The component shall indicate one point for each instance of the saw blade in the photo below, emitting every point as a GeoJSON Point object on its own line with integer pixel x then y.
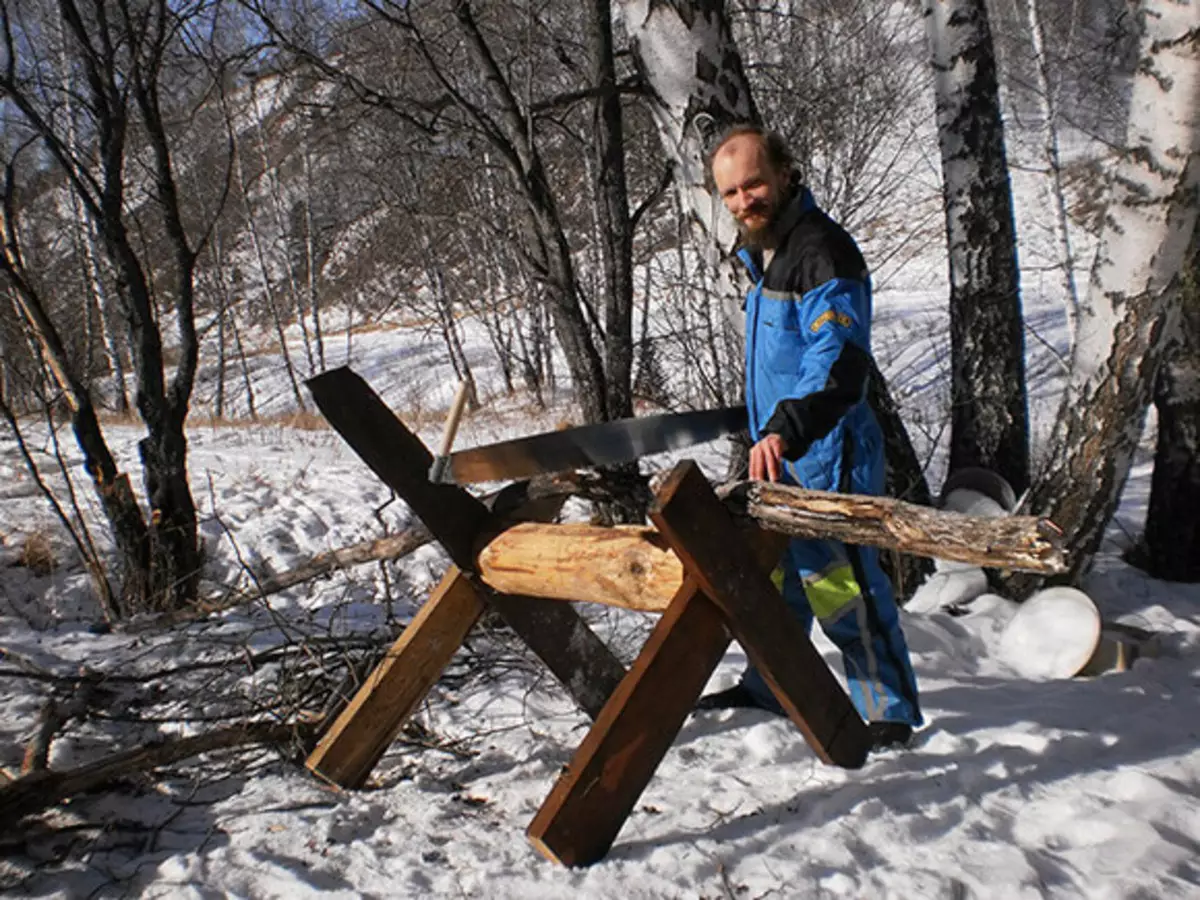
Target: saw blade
{"type": "Point", "coordinates": [588, 446]}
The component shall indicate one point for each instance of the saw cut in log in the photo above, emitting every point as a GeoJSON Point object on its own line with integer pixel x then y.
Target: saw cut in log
{"type": "Point", "coordinates": [1018, 543]}
{"type": "Point", "coordinates": [627, 566]}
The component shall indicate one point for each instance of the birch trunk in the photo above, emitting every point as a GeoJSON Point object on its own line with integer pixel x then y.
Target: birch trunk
{"type": "Point", "coordinates": [989, 418]}
{"type": "Point", "coordinates": [1048, 95]}
{"type": "Point", "coordinates": [686, 53]}
{"type": "Point", "coordinates": [1132, 308]}
{"type": "Point", "coordinates": [310, 261]}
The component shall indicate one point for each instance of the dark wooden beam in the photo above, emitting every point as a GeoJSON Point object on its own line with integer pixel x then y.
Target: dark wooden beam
{"type": "Point", "coordinates": [589, 804]}
{"type": "Point", "coordinates": [719, 556]}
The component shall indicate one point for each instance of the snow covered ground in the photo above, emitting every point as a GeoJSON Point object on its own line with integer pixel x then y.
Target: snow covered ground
{"type": "Point", "coordinates": [1016, 788]}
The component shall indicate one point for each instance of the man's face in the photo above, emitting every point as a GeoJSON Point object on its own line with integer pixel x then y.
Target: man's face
{"type": "Point", "coordinates": [752, 190]}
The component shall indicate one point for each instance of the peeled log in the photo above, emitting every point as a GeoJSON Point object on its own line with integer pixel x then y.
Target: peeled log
{"type": "Point", "coordinates": [629, 566]}
{"type": "Point", "coordinates": [1019, 543]}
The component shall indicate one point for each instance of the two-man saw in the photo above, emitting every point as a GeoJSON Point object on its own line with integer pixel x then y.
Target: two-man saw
{"type": "Point", "coordinates": [587, 446]}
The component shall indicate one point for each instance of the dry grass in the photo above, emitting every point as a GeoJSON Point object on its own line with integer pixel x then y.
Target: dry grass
{"type": "Point", "coordinates": [302, 421]}
{"type": "Point", "coordinates": [37, 554]}
{"type": "Point", "coordinates": [307, 420]}
{"type": "Point", "coordinates": [110, 417]}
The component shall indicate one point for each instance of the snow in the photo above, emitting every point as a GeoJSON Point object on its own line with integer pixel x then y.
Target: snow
{"type": "Point", "coordinates": [1015, 788]}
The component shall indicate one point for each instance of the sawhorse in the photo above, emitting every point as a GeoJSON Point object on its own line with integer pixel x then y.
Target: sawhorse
{"type": "Point", "coordinates": [725, 592]}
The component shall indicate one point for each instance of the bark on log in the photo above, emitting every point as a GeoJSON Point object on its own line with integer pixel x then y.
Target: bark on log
{"type": "Point", "coordinates": [40, 789]}
{"type": "Point", "coordinates": [1019, 543]}
{"type": "Point", "coordinates": [633, 568]}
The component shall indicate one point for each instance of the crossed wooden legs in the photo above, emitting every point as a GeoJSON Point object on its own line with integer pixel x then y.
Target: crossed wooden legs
{"type": "Point", "coordinates": [553, 631]}
{"type": "Point", "coordinates": [727, 589]}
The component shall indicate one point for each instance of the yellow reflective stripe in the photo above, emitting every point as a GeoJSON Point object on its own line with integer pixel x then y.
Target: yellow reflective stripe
{"type": "Point", "coordinates": [832, 590]}
{"type": "Point", "coordinates": [777, 578]}
{"type": "Point", "coordinates": [830, 316]}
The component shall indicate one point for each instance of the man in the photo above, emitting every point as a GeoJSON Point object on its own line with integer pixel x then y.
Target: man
{"type": "Point", "coordinates": [808, 359]}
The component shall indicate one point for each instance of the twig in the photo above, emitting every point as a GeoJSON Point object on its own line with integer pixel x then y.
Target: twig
{"type": "Point", "coordinates": [34, 792]}
{"type": "Point", "coordinates": [53, 717]}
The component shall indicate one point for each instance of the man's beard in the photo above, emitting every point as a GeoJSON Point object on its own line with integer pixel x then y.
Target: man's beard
{"type": "Point", "coordinates": [763, 237]}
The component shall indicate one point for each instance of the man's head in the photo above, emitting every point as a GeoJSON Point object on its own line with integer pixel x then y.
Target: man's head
{"type": "Point", "coordinates": [752, 172]}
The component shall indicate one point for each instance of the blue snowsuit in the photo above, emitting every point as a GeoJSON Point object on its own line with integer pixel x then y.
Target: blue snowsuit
{"type": "Point", "coordinates": [808, 362]}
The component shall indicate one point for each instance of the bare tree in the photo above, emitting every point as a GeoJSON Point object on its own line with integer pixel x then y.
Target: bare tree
{"type": "Point", "coordinates": [138, 67]}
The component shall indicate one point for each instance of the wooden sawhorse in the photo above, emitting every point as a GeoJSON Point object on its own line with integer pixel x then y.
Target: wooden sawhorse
{"type": "Point", "coordinates": [723, 591]}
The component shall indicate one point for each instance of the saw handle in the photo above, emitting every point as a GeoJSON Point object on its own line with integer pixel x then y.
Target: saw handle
{"type": "Point", "coordinates": [438, 469]}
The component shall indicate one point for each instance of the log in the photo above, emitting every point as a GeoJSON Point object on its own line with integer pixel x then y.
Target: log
{"type": "Point", "coordinates": [1019, 543]}
{"type": "Point", "coordinates": [634, 568]}
{"type": "Point", "coordinates": [627, 566]}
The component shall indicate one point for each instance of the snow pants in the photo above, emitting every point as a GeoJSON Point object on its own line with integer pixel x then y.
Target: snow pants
{"type": "Point", "coordinates": [844, 588]}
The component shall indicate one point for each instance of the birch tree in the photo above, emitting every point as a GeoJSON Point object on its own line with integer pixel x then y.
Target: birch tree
{"type": "Point", "coordinates": [696, 87]}
{"type": "Point", "coordinates": [989, 417]}
{"type": "Point", "coordinates": [1131, 312]}
{"type": "Point", "coordinates": [1048, 97]}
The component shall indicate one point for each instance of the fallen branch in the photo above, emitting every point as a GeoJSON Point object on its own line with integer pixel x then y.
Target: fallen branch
{"type": "Point", "coordinates": [40, 789]}
{"type": "Point", "coordinates": [1019, 543]}
{"type": "Point", "coordinates": [53, 717]}
{"type": "Point", "coordinates": [391, 547]}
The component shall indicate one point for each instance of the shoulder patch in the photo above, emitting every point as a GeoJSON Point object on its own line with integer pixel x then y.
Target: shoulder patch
{"type": "Point", "coordinates": [830, 316]}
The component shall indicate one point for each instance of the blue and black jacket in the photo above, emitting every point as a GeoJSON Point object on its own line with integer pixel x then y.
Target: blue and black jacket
{"type": "Point", "coordinates": [808, 352]}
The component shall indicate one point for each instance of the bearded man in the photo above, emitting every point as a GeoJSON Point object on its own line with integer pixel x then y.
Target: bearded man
{"type": "Point", "coordinates": [808, 360]}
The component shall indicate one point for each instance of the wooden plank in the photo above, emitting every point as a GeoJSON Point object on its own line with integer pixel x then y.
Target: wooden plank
{"type": "Point", "coordinates": [630, 566]}
{"type": "Point", "coordinates": [399, 458]}
{"type": "Point", "coordinates": [584, 665]}
{"type": "Point", "coordinates": [719, 556]}
{"type": "Point", "coordinates": [583, 814]}
{"type": "Point", "coordinates": [581, 818]}
{"type": "Point", "coordinates": [359, 737]}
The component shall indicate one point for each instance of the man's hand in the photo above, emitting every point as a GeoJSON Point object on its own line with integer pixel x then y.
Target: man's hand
{"type": "Point", "coordinates": [766, 458]}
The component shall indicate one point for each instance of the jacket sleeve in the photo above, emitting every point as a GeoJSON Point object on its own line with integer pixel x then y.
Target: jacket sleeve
{"type": "Point", "coordinates": [834, 369]}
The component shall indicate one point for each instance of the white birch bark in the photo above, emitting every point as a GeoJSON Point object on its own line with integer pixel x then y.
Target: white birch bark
{"type": "Point", "coordinates": [989, 418]}
{"type": "Point", "coordinates": [1132, 307]}
{"type": "Point", "coordinates": [686, 53]}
